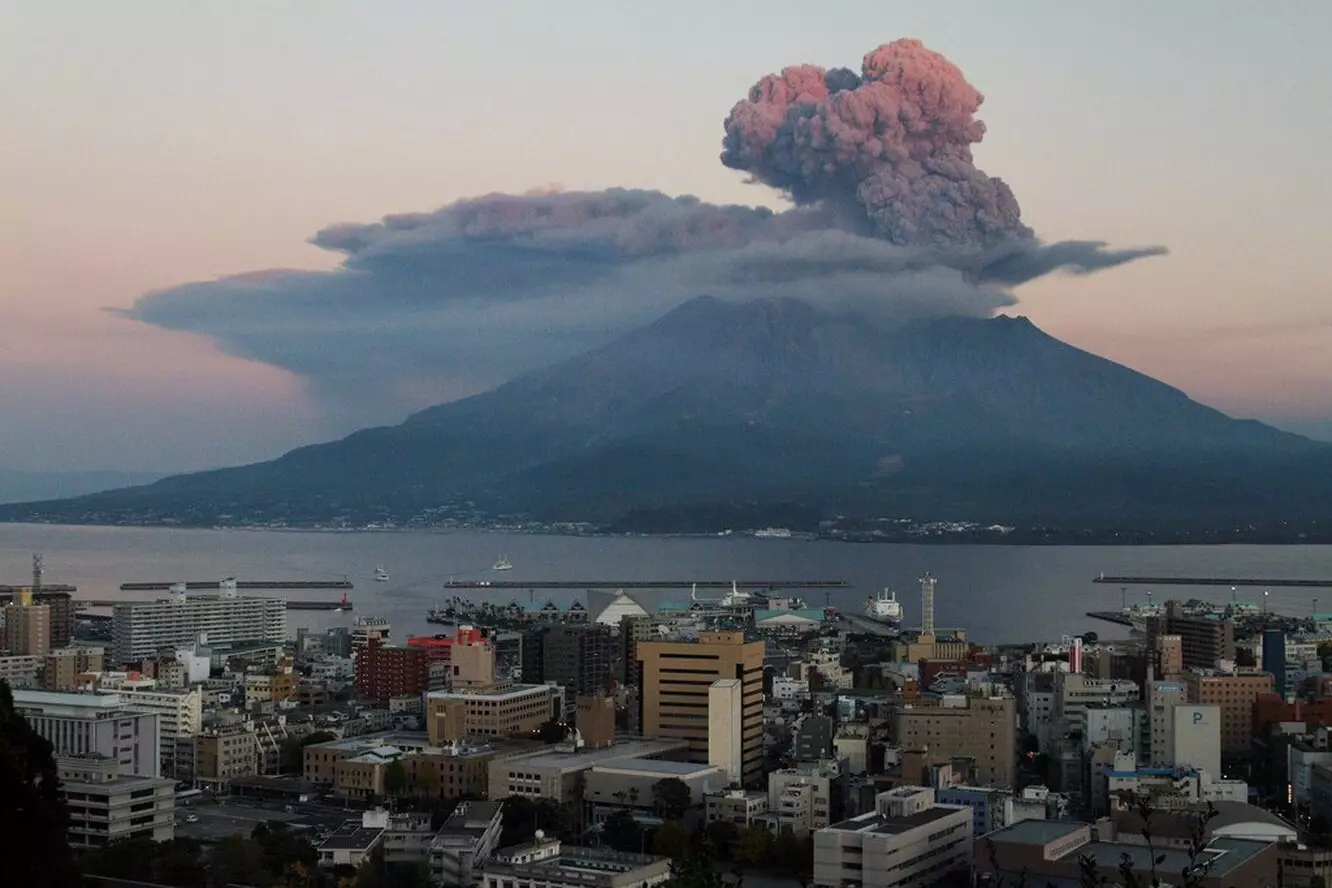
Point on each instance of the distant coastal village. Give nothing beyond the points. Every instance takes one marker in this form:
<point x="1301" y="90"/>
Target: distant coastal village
<point x="734" y="728"/>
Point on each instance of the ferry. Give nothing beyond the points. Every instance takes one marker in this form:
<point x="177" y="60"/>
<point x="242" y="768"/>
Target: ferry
<point x="885" y="608"/>
<point x="381" y="575"/>
<point x="502" y="563"/>
<point x="773" y="533"/>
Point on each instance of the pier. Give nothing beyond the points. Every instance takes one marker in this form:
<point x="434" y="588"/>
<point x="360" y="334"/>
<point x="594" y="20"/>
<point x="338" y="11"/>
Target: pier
<point x="1110" y="617"/>
<point x="45" y="587"/>
<point x="646" y="584"/>
<point x="1213" y="581"/>
<point x="214" y="585"/>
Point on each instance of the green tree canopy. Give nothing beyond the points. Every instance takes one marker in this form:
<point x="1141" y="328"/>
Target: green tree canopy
<point x="754" y="846"/>
<point x="671" y="798"/>
<point x="33" y="819"/>
<point x="395" y="778"/>
<point x="671" y="840"/>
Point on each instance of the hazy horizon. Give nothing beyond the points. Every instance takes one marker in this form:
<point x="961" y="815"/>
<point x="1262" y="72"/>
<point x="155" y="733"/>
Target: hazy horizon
<point x="154" y="146"/>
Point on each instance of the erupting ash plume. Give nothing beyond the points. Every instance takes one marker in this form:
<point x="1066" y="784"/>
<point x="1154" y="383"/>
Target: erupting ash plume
<point x="889" y="148"/>
<point x="892" y="222"/>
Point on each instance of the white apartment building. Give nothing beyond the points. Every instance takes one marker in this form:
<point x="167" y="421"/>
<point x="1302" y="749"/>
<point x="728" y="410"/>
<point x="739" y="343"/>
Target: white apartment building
<point x="101" y="724"/>
<point x="179" y="714"/>
<point x="105" y="807"/>
<point x="141" y="629"/>
<point x="802" y="798"/>
<point x="907" y="842"/>
<point x="20" y="671"/>
<point x="789" y="691"/>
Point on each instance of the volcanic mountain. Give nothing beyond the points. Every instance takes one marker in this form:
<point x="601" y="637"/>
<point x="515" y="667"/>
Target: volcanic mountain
<point x="775" y="412"/>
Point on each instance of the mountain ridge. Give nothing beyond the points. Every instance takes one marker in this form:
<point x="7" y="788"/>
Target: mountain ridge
<point x="773" y="406"/>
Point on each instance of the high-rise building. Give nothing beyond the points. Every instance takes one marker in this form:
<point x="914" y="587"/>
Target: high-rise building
<point x="62" y="610"/>
<point x="1205" y="640"/>
<point x="105" y="806"/>
<point x="595" y="720"/>
<point x="1274" y="658"/>
<point x="80" y="724"/>
<point x="677" y="676"/>
<point x="907" y="840"/>
<point x="1168" y="659"/>
<point x="1196" y="739"/>
<point x="179" y="714"/>
<point x="139" y="630"/>
<point x="1162" y="698"/>
<point x="1236" y="694"/>
<point x="63" y="666"/>
<point x="27" y="626"/>
<point x="575" y="655"/>
<point x="984" y="732"/>
<point x="726" y="727"/>
<point x="387" y="671"/>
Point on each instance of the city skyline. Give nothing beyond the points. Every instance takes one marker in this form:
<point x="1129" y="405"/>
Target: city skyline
<point x="158" y="146"/>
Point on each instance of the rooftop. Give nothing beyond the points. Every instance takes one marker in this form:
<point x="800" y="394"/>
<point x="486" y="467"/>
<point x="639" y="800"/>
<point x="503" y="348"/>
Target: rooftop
<point x="1220" y="856"/>
<point x="655" y="766"/>
<point x="1037" y="832"/>
<point x="586" y="758"/>
<point x="351" y="836"/>
<point x="877" y="823"/>
<point x="510" y="693"/>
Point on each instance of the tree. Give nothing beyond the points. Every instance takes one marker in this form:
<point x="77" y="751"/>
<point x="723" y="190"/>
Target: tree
<point x="754" y="845"/>
<point x="696" y="870"/>
<point x="292" y="751"/>
<point x="552" y="732"/>
<point x="237" y="860"/>
<point x="722" y="834"/>
<point x="1090" y="638"/>
<point x="282" y="848"/>
<point x="33" y="818"/>
<point x="395" y="778"/>
<point x="671" y="798"/>
<point x="622" y="832"/>
<point x="671" y="840"/>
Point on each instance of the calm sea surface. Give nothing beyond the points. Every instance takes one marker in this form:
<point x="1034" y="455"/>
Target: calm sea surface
<point x="999" y="593"/>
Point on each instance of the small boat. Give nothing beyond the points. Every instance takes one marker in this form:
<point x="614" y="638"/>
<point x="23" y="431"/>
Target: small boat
<point x="502" y="563"/>
<point x="381" y="575"/>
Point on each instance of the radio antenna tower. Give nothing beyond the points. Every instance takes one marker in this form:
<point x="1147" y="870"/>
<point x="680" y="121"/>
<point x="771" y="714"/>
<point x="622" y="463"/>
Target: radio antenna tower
<point x="37" y="571"/>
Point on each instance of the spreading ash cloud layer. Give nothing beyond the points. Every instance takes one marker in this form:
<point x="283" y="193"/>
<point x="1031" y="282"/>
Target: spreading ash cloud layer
<point x="891" y="219"/>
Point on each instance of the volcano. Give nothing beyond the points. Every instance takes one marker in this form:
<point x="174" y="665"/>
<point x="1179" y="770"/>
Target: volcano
<point x="775" y="412"/>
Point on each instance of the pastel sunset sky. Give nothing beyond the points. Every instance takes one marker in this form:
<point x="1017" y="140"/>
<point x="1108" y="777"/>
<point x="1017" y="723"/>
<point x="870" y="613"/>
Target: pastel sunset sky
<point x="146" y="145"/>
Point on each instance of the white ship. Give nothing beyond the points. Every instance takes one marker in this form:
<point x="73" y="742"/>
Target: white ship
<point x="502" y="563"/>
<point x="381" y="575"/>
<point x="773" y="533"/>
<point x="885" y="607"/>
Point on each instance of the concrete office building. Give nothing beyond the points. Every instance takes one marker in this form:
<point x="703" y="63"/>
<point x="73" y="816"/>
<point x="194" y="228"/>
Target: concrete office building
<point x="1168" y="657"/>
<point x="515" y="710"/>
<point x="179" y="715"/>
<point x="21" y="672"/>
<point x="1196" y="739"/>
<point x="908" y="840"/>
<point x="1205" y="640"/>
<point x="27" y="627"/>
<point x="62" y="667"/>
<point x="139" y="630"/>
<point x="805" y="798"/>
<point x="557" y="775"/>
<point x="726" y="728"/>
<point x="1274" y="658"/>
<point x="1235" y="693"/>
<point x="545" y="862"/>
<point x="106" y="807"/>
<point x="1162" y="698"/>
<point x="677" y="676"/>
<point x="577" y="656"/>
<point x="594" y="720"/>
<point x="60" y="603"/>
<point x="464" y="843"/>
<point x="101" y="724"/>
<point x="984" y="732"/>
<point x="627" y="785"/>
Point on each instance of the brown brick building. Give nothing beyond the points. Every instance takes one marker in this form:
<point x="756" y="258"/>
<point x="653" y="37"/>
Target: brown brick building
<point x="984" y="732"/>
<point x="1236" y="694"/>
<point x="385" y="671"/>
